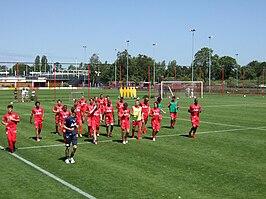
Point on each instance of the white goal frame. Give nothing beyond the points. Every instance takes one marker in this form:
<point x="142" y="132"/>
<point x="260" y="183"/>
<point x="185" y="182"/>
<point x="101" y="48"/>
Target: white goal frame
<point x="182" y="82"/>
<point x="71" y="94"/>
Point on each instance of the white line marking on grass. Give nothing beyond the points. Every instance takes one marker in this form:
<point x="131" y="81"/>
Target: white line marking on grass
<point x="263" y="128"/>
<point x="221" y="124"/>
<point x="51" y="175"/>
<point x="218" y="131"/>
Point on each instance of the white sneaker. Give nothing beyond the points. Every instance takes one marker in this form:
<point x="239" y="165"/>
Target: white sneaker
<point x="72" y="161"/>
<point x="154" y="139"/>
<point x="38" y="140"/>
<point x="67" y="161"/>
<point x="124" y="142"/>
<point x="98" y="135"/>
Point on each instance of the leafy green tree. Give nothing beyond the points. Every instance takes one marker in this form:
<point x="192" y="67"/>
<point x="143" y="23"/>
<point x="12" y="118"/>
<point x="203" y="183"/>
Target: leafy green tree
<point x="201" y="64"/>
<point x="229" y="64"/>
<point x="37" y="63"/>
<point x="44" y="64"/>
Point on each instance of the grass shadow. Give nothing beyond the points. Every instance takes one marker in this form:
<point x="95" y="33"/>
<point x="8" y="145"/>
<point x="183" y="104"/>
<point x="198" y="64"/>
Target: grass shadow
<point x="60" y="140"/>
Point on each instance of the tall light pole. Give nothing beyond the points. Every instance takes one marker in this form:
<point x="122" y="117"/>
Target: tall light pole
<point x="154" y="63"/>
<point x="236" y="69"/>
<point x="85" y="48"/>
<point x="210" y="62"/>
<point x="115" y="64"/>
<point x="127" y="60"/>
<point x="192" y="63"/>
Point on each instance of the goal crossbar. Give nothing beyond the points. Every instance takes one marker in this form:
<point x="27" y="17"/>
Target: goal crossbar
<point x="192" y="83"/>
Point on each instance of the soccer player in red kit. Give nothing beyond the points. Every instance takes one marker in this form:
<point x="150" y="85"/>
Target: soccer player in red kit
<point x="38" y="113"/>
<point x="194" y="111"/>
<point x="124" y="114"/>
<point x="79" y="116"/>
<point x="57" y="109"/>
<point x="10" y="120"/>
<point x="145" y="111"/>
<point x="89" y="110"/>
<point x="119" y="106"/>
<point x="155" y="120"/>
<point x="83" y="104"/>
<point x="109" y="118"/>
<point x="96" y="119"/>
<point x="101" y="103"/>
<point x="107" y="99"/>
<point x="62" y="117"/>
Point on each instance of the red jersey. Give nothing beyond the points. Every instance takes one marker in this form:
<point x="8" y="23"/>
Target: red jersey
<point x="78" y="111"/>
<point x="101" y="102"/>
<point x="58" y="109"/>
<point x="119" y="105"/>
<point x="11" y="124"/>
<point x="195" y="110"/>
<point x="155" y="112"/>
<point x="145" y="107"/>
<point x="106" y="102"/>
<point x="125" y="114"/>
<point x="82" y="102"/>
<point x="96" y="117"/>
<point x="38" y="114"/>
<point x="109" y="110"/>
<point x="63" y="115"/>
<point x="89" y="109"/>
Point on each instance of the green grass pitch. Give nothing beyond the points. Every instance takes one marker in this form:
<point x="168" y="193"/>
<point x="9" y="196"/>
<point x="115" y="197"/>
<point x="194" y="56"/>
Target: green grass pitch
<point x="226" y="160"/>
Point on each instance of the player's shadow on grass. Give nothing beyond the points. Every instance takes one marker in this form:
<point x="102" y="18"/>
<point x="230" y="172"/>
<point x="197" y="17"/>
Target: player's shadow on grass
<point x="147" y="137"/>
<point x="62" y="159"/>
<point x="184" y="135"/>
<point x="167" y="127"/>
<point x="60" y="140"/>
<point x="90" y="140"/>
<point x="34" y="138"/>
<point x="118" y="141"/>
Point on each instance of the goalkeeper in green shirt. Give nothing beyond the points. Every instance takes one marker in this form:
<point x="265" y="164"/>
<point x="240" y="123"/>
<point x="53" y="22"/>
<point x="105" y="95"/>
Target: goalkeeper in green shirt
<point x="173" y="106"/>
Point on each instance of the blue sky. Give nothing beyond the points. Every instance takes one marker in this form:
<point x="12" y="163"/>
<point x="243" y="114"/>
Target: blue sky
<point x="59" y="29"/>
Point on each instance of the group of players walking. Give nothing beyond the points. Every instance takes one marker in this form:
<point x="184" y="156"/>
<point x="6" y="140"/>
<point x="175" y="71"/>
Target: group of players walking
<point x="69" y="122"/>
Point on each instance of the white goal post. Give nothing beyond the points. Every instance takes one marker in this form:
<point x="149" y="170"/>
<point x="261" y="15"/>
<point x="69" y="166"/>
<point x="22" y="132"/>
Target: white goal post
<point x="183" y="89"/>
<point x="75" y="95"/>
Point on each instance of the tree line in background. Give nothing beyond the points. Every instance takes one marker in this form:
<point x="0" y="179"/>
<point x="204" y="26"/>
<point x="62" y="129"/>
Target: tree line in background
<point x="140" y="65"/>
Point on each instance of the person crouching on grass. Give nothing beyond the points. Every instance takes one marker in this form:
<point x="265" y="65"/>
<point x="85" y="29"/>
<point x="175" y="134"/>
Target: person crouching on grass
<point x="124" y="114"/>
<point x="10" y="120"/>
<point x="70" y="127"/>
<point x="173" y="109"/>
<point x="194" y="110"/>
<point x="155" y="120"/>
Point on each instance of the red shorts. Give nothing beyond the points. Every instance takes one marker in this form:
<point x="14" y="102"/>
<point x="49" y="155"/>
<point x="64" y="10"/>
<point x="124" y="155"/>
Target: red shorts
<point x="11" y="135"/>
<point x="195" y="121"/>
<point x="125" y="125"/>
<point x="174" y="115"/>
<point x="137" y="123"/>
<point x="38" y="124"/>
<point x="95" y="126"/>
<point x="155" y="125"/>
<point x="109" y="121"/>
<point x="145" y="117"/>
<point x="57" y="119"/>
<point x="62" y="129"/>
<point x="89" y="121"/>
<point x="79" y="121"/>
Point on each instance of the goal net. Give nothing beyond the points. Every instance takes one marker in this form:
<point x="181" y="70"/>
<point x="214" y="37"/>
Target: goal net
<point x="181" y="89"/>
<point x="75" y="95"/>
